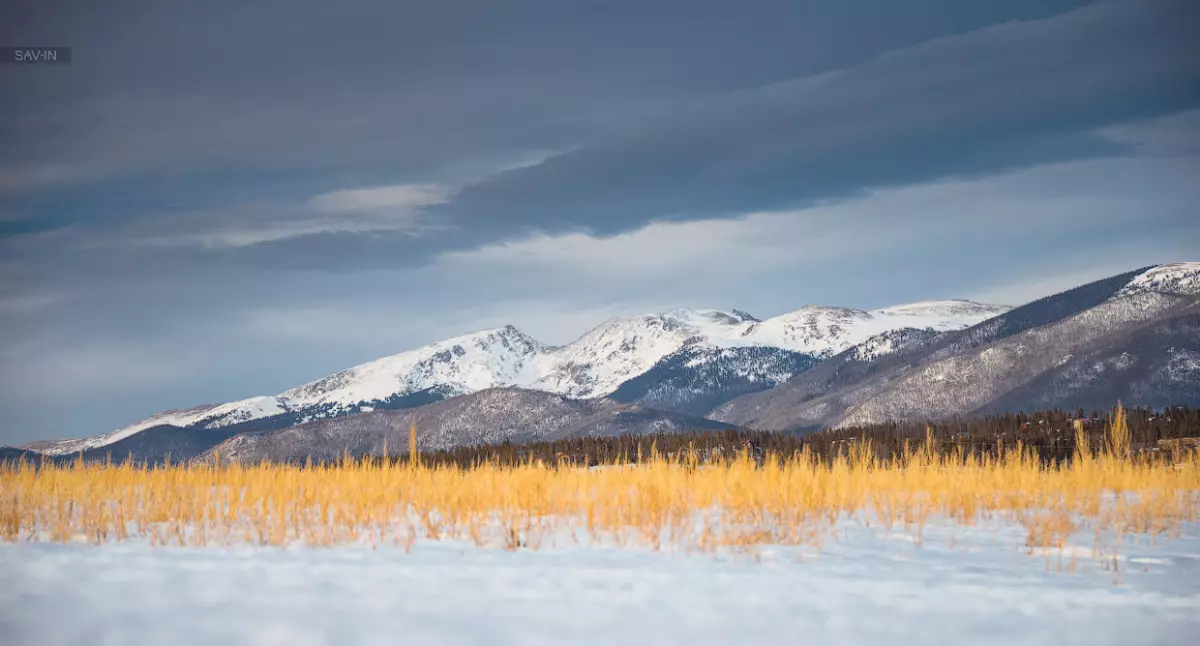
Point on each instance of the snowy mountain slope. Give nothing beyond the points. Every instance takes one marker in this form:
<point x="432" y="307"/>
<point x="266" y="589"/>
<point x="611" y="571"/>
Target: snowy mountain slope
<point x="160" y="444"/>
<point x="1156" y="366"/>
<point x="455" y="366"/>
<point x="1173" y="278"/>
<point x="595" y="365"/>
<point x="489" y="416"/>
<point x="964" y="371"/>
<point x="971" y="380"/>
<point x="623" y="348"/>
<point x="696" y="378"/>
<point x="825" y="331"/>
<point x="13" y="455"/>
<point x="488" y="359"/>
<point x="202" y="417"/>
<point x="891" y="342"/>
<point x="812" y="398"/>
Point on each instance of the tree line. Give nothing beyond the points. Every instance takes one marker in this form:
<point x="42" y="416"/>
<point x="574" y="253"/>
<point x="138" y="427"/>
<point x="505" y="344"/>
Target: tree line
<point x="1050" y="434"/>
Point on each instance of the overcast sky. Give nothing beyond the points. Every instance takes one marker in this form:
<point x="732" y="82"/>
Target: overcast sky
<point x="224" y="199"/>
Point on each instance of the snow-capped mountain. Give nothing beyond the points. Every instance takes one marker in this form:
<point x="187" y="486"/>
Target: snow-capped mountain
<point x="501" y="357"/>
<point x="622" y="348"/>
<point x="826" y="331"/>
<point x="734" y="354"/>
<point x="598" y="362"/>
<point x="1132" y="337"/>
<point x="594" y="365"/>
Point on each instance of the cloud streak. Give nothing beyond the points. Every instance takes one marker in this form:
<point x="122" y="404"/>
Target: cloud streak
<point x="346" y="211"/>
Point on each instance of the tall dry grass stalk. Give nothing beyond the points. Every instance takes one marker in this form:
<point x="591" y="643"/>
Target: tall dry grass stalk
<point x="675" y="503"/>
<point x="413" y="454"/>
<point x="1118" y="433"/>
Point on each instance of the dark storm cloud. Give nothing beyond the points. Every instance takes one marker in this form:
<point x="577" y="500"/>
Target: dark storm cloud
<point x="1009" y="96"/>
<point x="198" y="121"/>
<point x="380" y="91"/>
<point x="1005" y="96"/>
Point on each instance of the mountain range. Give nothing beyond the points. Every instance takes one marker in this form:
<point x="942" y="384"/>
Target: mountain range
<point x="1132" y="337"/>
<point x="596" y="364"/>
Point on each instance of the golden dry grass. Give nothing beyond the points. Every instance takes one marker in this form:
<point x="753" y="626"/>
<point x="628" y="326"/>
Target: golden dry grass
<point x="674" y="504"/>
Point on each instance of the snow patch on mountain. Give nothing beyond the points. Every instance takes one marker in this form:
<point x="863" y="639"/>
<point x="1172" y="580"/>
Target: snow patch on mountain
<point x="1174" y="278"/>
<point x="469" y="363"/>
<point x="826" y="331"/>
<point x="625" y="347"/>
<point x="1183" y="366"/>
<point x="622" y="348"/>
<point x="891" y="341"/>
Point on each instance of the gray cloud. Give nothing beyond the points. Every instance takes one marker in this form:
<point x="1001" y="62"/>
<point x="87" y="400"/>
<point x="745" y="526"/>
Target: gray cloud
<point x="1005" y="96"/>
<point x="407" y="86"/>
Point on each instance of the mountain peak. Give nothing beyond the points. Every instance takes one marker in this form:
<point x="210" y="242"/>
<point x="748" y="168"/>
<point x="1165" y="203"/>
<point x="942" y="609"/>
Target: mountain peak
<point x="816" y="308"/>
<point x="950" y="307"/>
<point x="466" y="363"/>
<point x="825" y="331"/>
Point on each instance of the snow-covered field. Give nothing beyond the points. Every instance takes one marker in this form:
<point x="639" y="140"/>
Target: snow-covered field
<point x="960" y="586"/>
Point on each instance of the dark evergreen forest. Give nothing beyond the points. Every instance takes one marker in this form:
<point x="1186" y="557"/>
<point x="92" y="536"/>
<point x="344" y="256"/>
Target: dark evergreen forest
<point x="1049" y="434"/>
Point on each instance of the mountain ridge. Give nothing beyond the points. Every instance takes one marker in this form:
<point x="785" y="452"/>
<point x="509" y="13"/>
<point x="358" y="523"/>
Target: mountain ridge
<point x="1134" y="336"/>
<point x="594" y="365"/>
<point x="962" y="372"/>
<point x="489" y="416"/>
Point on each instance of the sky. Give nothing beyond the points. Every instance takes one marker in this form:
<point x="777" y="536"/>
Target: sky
<point x="216" y="200"/>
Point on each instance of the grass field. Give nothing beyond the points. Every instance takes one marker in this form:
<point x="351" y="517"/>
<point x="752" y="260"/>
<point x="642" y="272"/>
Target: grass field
<point x="673" y="504"/>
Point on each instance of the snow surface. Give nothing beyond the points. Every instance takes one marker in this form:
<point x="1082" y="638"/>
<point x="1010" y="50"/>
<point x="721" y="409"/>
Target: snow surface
<point x="885" y="343"/>
<point x="1174" y="278"/>
<point x="826" y="331"/>
<point x="594" y="365"/>
<point x="469" y="363"/>
<point x="622" y="348"/>
<point x="959" y="585"/>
